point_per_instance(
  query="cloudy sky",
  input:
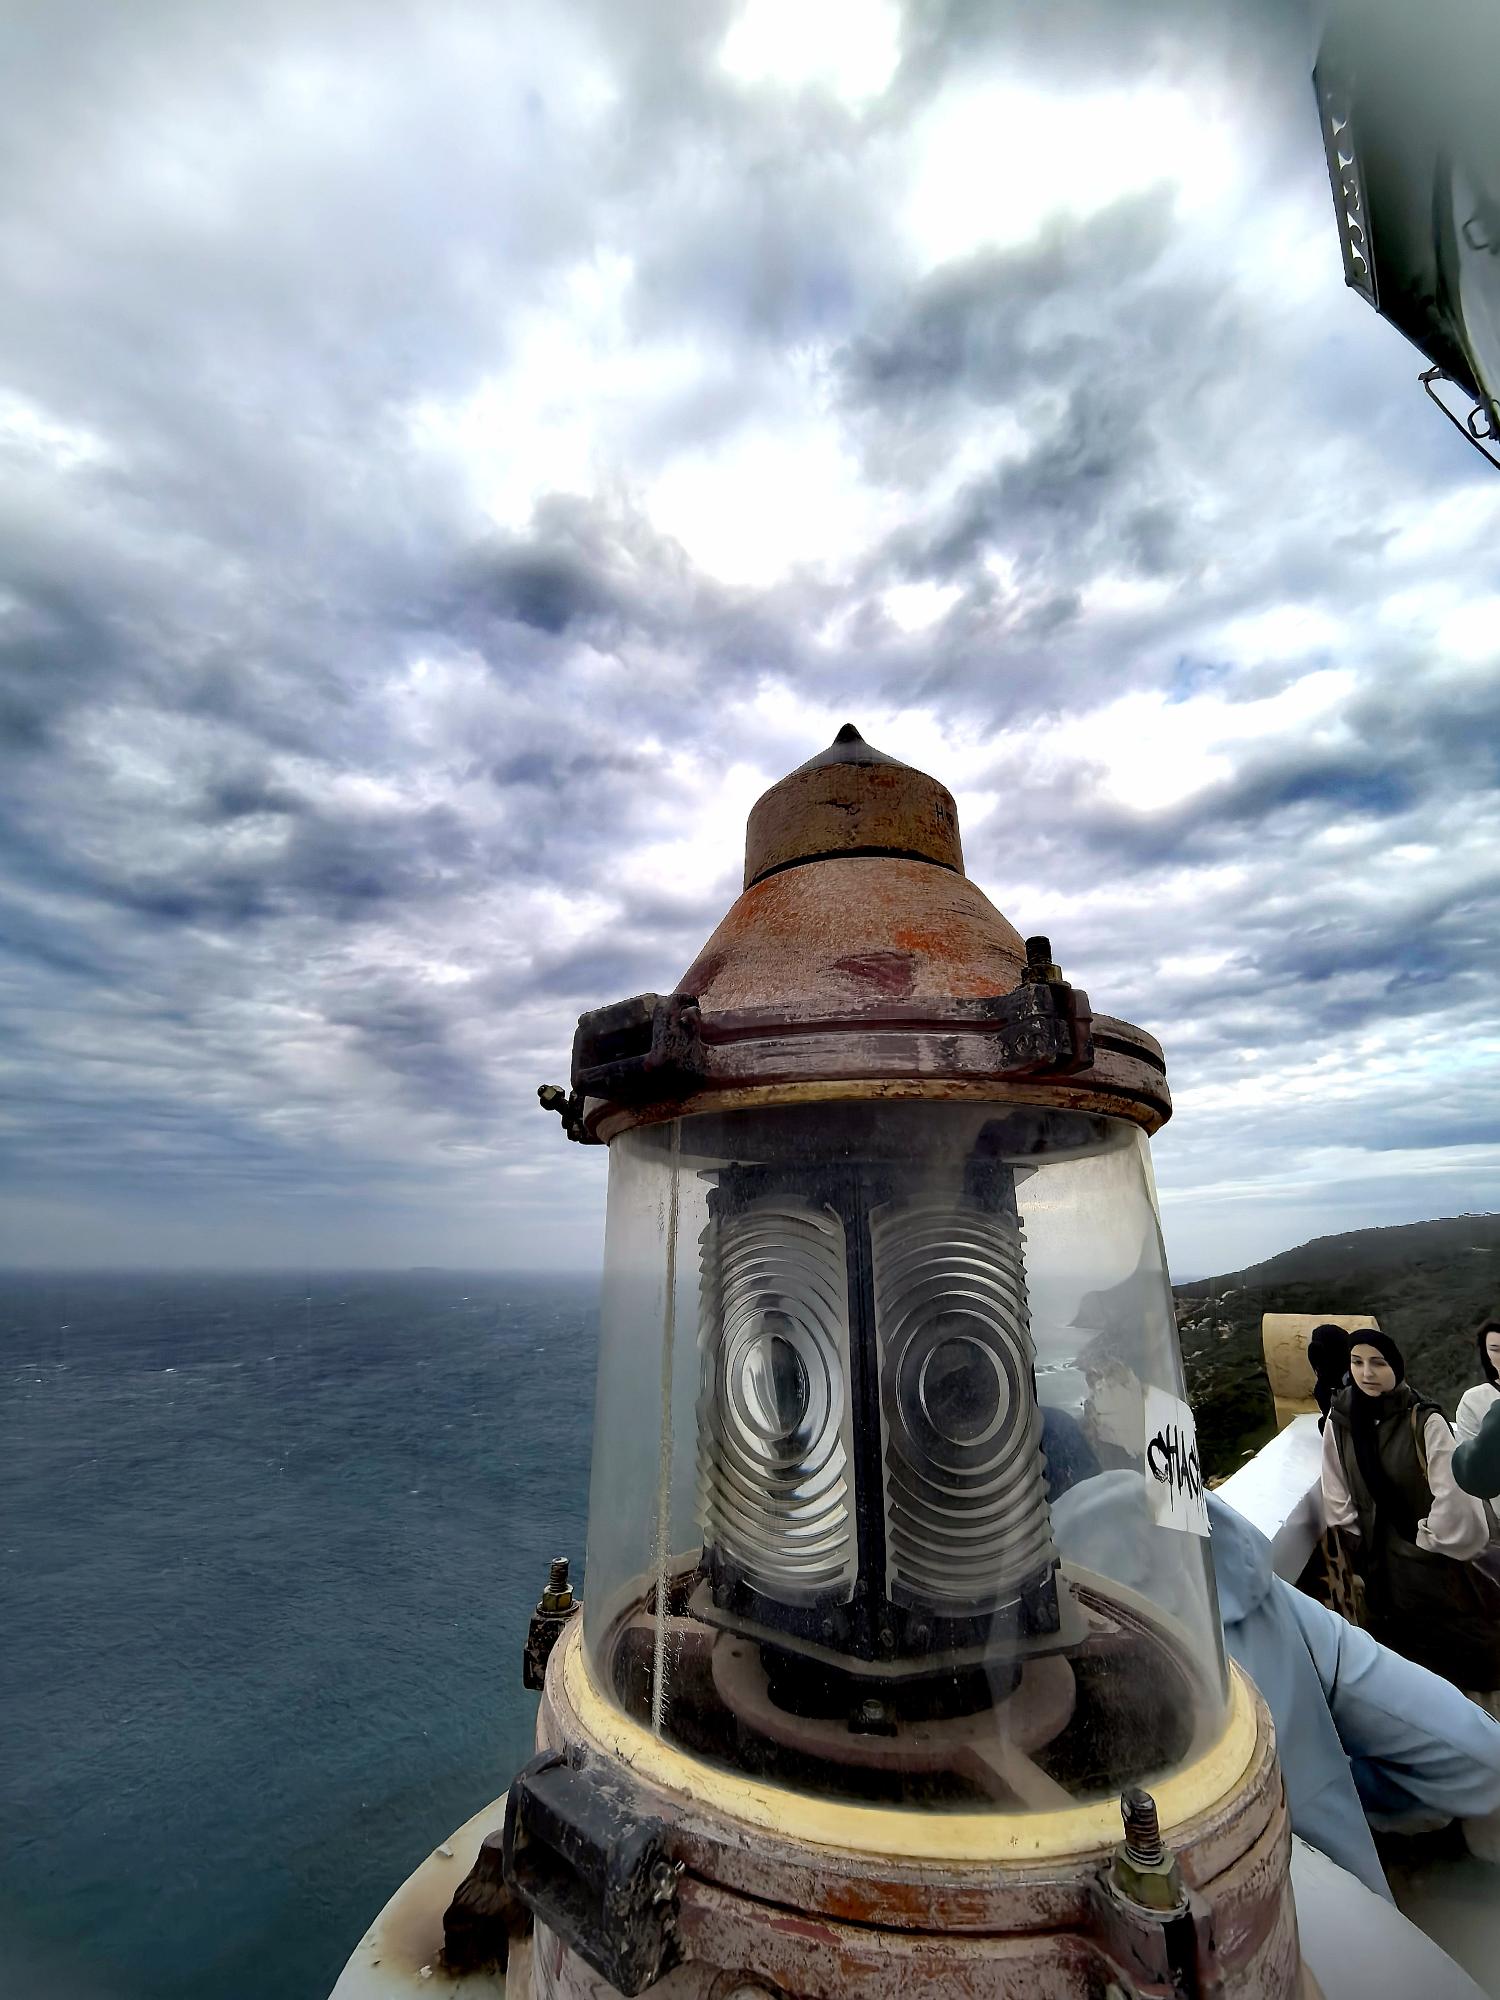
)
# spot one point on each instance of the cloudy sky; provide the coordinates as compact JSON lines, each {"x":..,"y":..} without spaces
{"x":453,"y":457}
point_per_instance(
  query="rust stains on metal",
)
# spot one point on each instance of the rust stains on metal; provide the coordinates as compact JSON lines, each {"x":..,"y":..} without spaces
{"x":888,"y":972}
{"x":781,"y":942}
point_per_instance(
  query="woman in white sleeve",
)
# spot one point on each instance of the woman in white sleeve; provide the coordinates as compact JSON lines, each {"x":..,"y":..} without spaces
{"x":1475,"y":1404}
{"x":1388,"y":1477}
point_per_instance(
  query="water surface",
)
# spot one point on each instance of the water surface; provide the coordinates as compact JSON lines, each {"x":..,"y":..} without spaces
{"x":268,"y":1547}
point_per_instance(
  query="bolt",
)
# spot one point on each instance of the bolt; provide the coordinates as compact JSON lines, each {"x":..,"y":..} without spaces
{"x":1144,"y":1870}
{"x":664,"y":1880}
{"x":873,"y":1717}
{"x":1142,"y":1827}
{"x":1040,"y":968}
{"x":558,"y":1597}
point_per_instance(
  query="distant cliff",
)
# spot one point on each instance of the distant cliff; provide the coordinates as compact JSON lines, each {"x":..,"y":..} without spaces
{"x":1428,"y":1284}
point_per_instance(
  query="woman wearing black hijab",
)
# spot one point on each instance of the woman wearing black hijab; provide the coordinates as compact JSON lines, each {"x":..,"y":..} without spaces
{"x":1475,"y":1404}
{"x":1328,"y":1351}
{"x":1388,"y":1476}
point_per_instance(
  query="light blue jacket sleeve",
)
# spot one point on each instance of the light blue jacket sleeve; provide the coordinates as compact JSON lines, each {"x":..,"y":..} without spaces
{"x":1105,"y":1524}
{"x":1322,"y":1790}
{"x":1413,"y":1741}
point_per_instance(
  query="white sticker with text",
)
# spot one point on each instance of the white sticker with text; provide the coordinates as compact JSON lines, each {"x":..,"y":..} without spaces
{"x":1174,"y":1478}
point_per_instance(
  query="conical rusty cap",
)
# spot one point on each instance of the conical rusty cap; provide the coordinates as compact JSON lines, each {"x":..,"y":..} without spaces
{"x":851,"y":799}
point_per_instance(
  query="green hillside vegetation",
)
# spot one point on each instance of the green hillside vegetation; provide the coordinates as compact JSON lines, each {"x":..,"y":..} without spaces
{"x":1428,"y":1283}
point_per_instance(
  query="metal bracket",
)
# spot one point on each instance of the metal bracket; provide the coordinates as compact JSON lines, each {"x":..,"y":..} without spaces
{"x":1482,"y":425}
{"x":567,"y":1104}
{"x":1045,"y":1026}
{"x":1171,"y":1952}
{"x":593,"y":1868}
{"x":648,"y":1047}
{"x":554,"y":1612}
{"x":485,"y":1916}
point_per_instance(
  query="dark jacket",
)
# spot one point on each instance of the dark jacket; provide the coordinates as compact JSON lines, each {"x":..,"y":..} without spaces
{"x":1476,"y":1465}
{"x":1439,"y":1612}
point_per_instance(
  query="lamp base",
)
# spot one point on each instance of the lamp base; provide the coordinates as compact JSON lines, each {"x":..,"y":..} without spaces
{"x":740,"y":1887}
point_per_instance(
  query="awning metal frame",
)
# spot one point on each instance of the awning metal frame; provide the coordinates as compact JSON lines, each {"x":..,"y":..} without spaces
{"x":1479,"y":426}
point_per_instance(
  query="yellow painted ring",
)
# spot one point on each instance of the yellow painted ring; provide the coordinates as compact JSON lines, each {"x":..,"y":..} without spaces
{"x":952,"y":1838}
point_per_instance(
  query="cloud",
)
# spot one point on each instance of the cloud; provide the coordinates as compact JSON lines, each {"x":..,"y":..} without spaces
{"x":451,"y":460}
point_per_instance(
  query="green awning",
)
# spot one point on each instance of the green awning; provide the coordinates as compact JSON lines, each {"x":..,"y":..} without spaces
{"x":1409,"y":97}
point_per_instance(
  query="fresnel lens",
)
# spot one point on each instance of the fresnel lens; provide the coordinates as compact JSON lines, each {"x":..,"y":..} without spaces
{"x":871,"y":1479}
{"x":887,"y":1602}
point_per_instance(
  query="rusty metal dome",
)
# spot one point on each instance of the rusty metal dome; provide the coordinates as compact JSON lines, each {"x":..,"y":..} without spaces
{"x":859,"y":961}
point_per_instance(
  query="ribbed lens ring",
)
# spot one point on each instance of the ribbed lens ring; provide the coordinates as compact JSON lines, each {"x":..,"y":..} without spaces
{"x":773,"y":1466}
{"x":773,"y":1317}
{"x":976,"y":1438}
{"x":965,"y":1505}
{"x":941,"y":1317}
{"x":992,"y":1544}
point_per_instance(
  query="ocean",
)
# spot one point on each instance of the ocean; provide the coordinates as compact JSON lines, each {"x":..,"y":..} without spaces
{"x":268,"y":1549}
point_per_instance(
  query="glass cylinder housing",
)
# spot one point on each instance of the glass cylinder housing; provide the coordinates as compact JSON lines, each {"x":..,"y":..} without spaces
{"x":874,"y":1510}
